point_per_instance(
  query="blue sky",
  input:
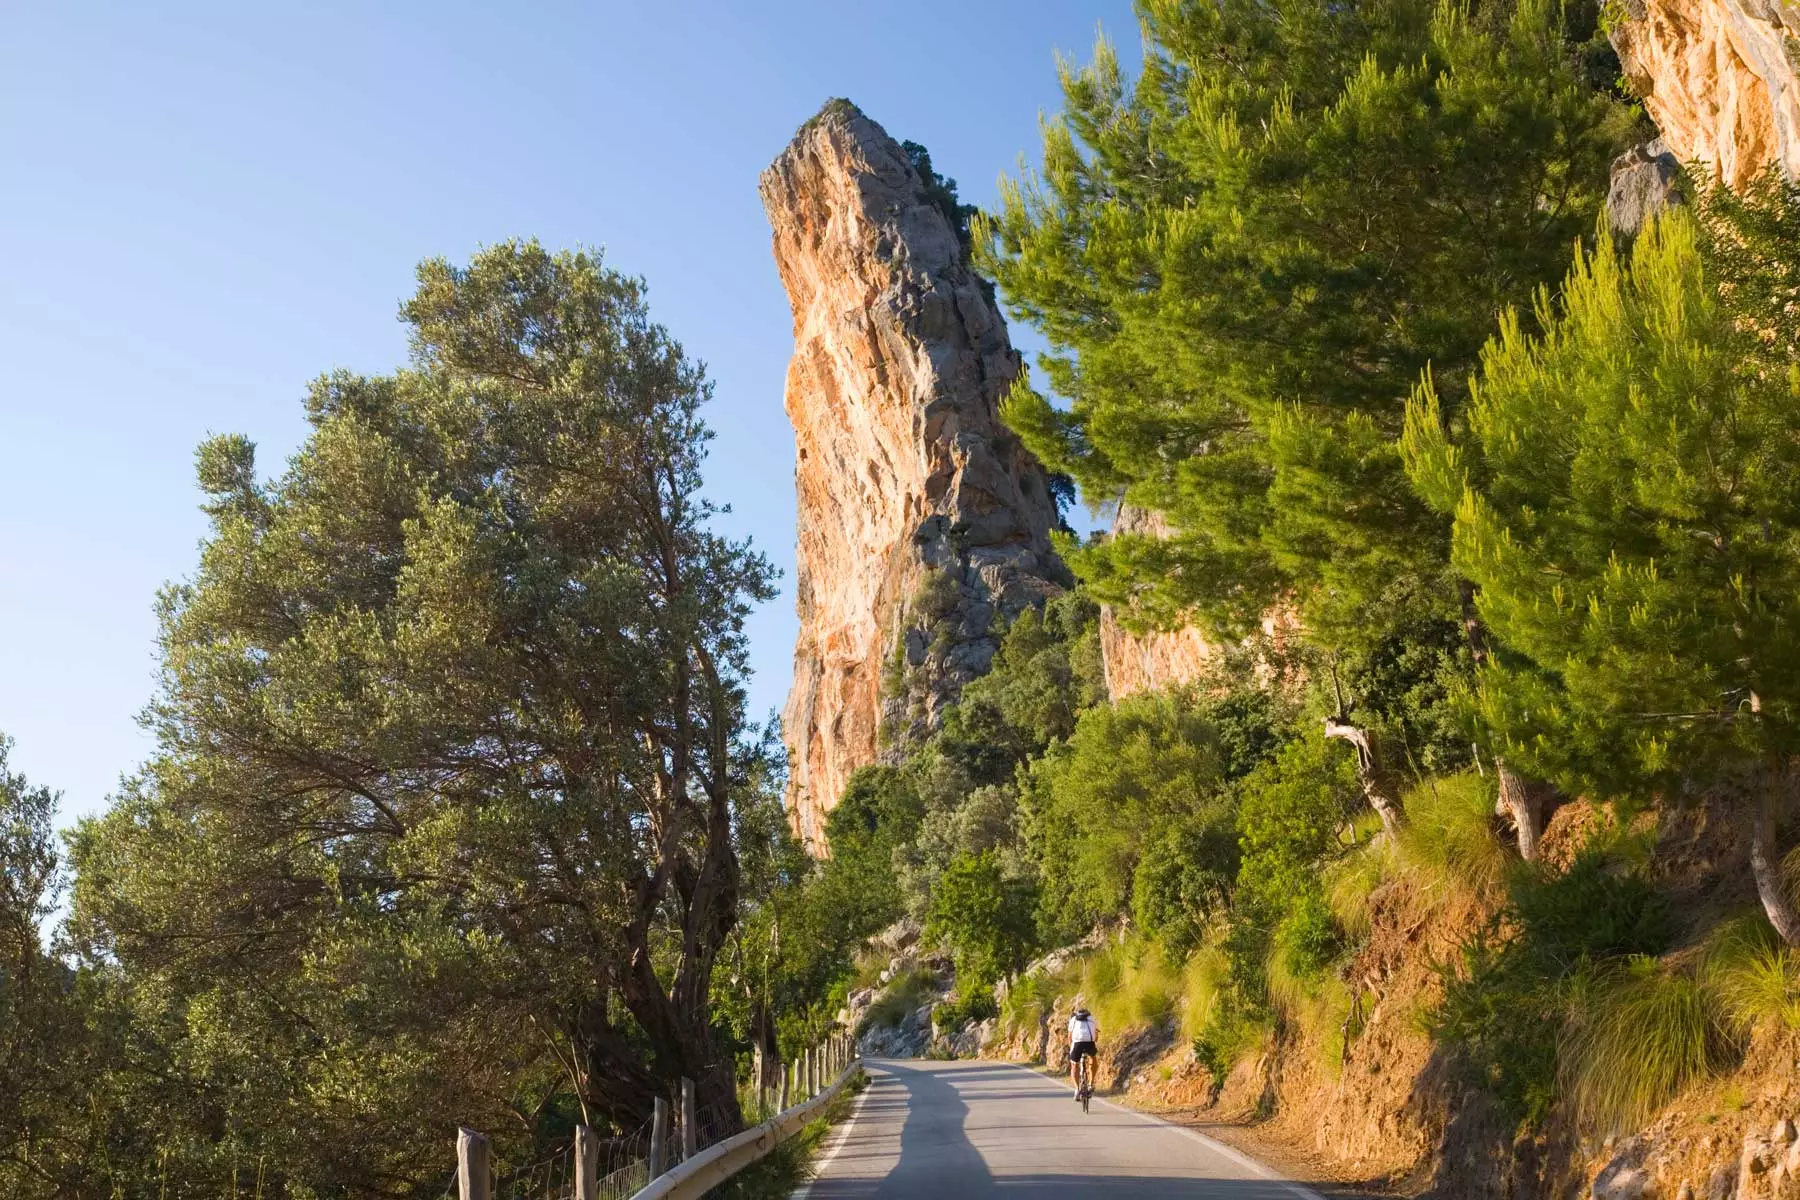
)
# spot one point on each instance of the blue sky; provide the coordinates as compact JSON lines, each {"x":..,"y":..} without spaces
{"x":207,"y":205}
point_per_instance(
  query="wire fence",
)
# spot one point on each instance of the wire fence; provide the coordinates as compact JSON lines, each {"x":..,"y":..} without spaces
{"x":552,"y":1178}
{"x":624,"y":1168}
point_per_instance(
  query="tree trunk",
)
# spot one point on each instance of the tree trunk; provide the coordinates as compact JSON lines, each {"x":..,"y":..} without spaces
{"x":765,"y":1046}
{"x":1377,"y":788}
{"x":1765,"y":865}
{"x":1524,"y":804}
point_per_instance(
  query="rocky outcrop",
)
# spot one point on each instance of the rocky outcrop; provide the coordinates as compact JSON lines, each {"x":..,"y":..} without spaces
{"x":1140,"y":662}
{"x":1644,"y":180}
{"x":1717,"y":78}
{"x":923,"y":522}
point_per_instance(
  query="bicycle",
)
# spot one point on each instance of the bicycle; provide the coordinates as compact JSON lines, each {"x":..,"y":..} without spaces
{"x":1084,"y":1090}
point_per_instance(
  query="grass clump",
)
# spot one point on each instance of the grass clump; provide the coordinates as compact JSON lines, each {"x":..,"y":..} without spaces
{"x":1229,"y":1038}
{"x":1448,"y":847}
{"x":1640,"y":1035}
{"x":1130,"y":984}
{"x":1754,"y":977}
{"x":1351,"y":880}
{"x":1205,"y":982}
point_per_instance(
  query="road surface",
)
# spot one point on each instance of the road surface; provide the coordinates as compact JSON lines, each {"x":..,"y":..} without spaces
{"x":940,"y":1130}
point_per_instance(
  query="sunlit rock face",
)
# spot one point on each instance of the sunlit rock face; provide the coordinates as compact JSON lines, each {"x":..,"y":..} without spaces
{"x":923,"y":522}
{"x":1147,"y":662}
{"x":1717,"y":78}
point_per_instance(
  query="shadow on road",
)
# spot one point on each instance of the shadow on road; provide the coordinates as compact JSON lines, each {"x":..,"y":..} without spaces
{"x":915,"y":1139}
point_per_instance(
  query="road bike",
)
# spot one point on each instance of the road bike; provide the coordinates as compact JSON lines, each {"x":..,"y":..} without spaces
{"x":1084,"y":1073}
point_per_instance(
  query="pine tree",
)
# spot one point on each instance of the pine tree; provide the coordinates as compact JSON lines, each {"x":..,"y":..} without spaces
{"x":1244,"y":261}
{"x":1626,"y":492}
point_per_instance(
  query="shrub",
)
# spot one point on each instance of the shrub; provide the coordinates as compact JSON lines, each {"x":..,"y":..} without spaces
{"x":1501,"y":1014}
{"x":1519,"y":983}
{"x":1307,"y":940}
{"x":1128,"y":771}
{"x":1602,"y":905}
{"x":1183,"y":880}
{"x":975,"y":1005}
{"x":1226,"y":1040}
{"x":984,"y":918}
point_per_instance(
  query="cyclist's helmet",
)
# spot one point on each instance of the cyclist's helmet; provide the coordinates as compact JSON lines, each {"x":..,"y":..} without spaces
{"x":1081,"y":1012}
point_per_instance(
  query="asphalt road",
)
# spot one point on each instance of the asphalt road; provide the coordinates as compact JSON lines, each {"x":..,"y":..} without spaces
{"x":937,"y":1130}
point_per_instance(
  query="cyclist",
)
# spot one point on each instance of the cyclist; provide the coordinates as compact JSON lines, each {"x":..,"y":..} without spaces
{"x":1083,"y":1043}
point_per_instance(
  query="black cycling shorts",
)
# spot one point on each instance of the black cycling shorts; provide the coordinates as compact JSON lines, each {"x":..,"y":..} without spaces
{"x":1081,"y":1050}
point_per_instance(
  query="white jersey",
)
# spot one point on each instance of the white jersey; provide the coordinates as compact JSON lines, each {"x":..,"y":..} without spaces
{"x":1081,"y":1029}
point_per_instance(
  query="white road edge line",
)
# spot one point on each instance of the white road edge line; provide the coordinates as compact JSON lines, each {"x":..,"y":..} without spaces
{"x":1218,"y":1147}
{"x":843,"y":1136}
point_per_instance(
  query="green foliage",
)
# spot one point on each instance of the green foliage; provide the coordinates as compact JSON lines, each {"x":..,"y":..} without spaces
{"x":1183,"y":881}
{"x":1243,"y":261}
{"x":985,"y":919}
{"x":1624,"y":496}
{"x":1753,"y":975}
{"x":1130,"y":984}
{"x":879,"y":811}
{"x":1293,"y":811}
{"x":1448,"y":846}
{"x":43,"y":1037}
{"x":454,"y":703}
{"x":1602,"y":905}
{"x":1128,"y":772}
{"x":1406,"y":681}
{"x":1748,"y":238}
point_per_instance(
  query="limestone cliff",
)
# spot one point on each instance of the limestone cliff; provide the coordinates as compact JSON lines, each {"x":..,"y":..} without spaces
{"x":923,"y":522}
{"x":1717,"y":78}
{"x":1139,"y":662}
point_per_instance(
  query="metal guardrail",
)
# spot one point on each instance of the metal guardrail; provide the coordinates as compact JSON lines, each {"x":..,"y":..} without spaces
{"x":596,"y":1168}
{"x":720,"y":1162}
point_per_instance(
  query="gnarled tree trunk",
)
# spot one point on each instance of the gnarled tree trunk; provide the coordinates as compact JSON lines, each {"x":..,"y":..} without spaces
{"x":1378,"y":789}
{"x":1526,"y":804}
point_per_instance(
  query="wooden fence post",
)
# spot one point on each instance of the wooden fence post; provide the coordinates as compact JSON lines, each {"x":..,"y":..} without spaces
{"x":690,"y":1138}
{"x":781,"y":1089}
{"x":659,"y":1138}
{"x":473,"y":1178}
{"x":587,"y":1164}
